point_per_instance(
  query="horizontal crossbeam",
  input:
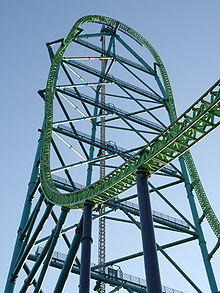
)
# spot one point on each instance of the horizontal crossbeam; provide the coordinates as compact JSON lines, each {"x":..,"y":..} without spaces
{"x":108,"y":275}
{"x":110,"y":108}
{"x":113,"y":79}
{"x":174,"y":141}
{"x":115,"y":56}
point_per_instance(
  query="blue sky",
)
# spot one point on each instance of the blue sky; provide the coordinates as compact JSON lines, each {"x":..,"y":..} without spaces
{"x":185,"y":34}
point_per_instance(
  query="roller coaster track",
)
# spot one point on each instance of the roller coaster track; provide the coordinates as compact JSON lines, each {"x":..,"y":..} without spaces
{"x":109,"y":146}
{"x":176,"y":140}
{"x":132,"y":207}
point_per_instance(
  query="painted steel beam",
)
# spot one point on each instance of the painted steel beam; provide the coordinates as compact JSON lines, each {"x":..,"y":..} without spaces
{"x":110,"y":108}
{"x":112,"y":79}
{"x":115,"y":56}
{"x":173,"y":142}
{"x":122,"y":279}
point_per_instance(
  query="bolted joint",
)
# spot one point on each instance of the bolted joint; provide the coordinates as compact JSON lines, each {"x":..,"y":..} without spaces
{"x":87,"y":238}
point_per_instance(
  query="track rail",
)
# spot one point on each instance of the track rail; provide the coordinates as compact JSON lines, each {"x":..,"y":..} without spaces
{"x":199,"y":120}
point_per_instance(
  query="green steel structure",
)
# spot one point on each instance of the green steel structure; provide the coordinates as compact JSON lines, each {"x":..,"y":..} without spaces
{"x":123,"y":88}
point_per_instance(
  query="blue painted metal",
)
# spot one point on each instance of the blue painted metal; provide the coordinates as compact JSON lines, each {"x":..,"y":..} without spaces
{"x":166,"y":100}
{"x":86,"y":250}
{"x":148,"y":237}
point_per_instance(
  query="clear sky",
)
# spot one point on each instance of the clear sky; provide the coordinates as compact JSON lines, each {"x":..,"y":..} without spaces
{"x":185,"y":34}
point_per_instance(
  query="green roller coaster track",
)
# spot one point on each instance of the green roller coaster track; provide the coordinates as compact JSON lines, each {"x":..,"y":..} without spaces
{"x":199,"y":120}
{"x":116,"y":121}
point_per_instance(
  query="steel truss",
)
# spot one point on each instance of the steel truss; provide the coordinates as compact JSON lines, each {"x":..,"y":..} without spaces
{"x":109,"y":111}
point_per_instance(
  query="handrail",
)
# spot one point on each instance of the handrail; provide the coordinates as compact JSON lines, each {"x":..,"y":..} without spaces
{"x":112,"y":78}
{"x":173,"y":142}
{"x":112,"y":109}
{"x":110,"y":272}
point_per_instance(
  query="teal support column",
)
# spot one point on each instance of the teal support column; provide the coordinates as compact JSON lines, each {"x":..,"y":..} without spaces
{"x":45,"y":256}
{"x":9,"y":288}
{"x":30,"y":223}
{"x":201,"y":238}
{"x":31,"y":243}
{"x":94,"y":125}
{"x":91,"y":149}
{"x":69,"y":259}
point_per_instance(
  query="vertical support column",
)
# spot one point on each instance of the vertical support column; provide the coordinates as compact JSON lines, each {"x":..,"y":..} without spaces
{"x":30,"y":244}
{"x":86,"y":250}
{"x":9,"y":288}
{"x":201,"y":238}
{"x":55,"y":236}
{"x":45,"y":256}
{"x":147,"y":231}
{"x":69,"y":259}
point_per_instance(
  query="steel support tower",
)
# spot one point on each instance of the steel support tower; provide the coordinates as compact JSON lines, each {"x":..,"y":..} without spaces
{"x":102,"y":237}
{"x":113,"y":156}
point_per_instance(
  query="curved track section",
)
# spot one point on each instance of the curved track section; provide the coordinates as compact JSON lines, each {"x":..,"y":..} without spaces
{"x":184,"y":132}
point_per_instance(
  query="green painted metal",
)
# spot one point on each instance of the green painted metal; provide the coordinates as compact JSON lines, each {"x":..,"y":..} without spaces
{"x":94,"y":127}
{"x":110,"y":79}
{"x":119,"y":112}
{"x":214,"y":249}
{"x":69,"y":260}
{"x":98,"y":277}
{"x":201,"y":195}
{"x":117,"y":57}
{"x":86,"y":36}
{"x":77,"y":200}
{"x":171,"y":205}
{"x":91,"y":149}
{"x":175,"y":141}
{"x":200,"y":119}
{"x":123,"y":280}
{"x":201,"y":238}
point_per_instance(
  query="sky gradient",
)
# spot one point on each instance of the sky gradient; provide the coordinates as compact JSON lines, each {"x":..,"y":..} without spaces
{"x":186,"y":36}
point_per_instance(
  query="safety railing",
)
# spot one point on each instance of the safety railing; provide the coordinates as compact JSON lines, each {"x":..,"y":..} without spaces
{"x":114,"y":110}
{"x":156,"y":214}
{"x":127,"y":203}
{"x":115,"y":56}
{"x":111,"y":272}
{"x":112,"y":78}
{"x":66,"y":182}
{"x":110,"y":145}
